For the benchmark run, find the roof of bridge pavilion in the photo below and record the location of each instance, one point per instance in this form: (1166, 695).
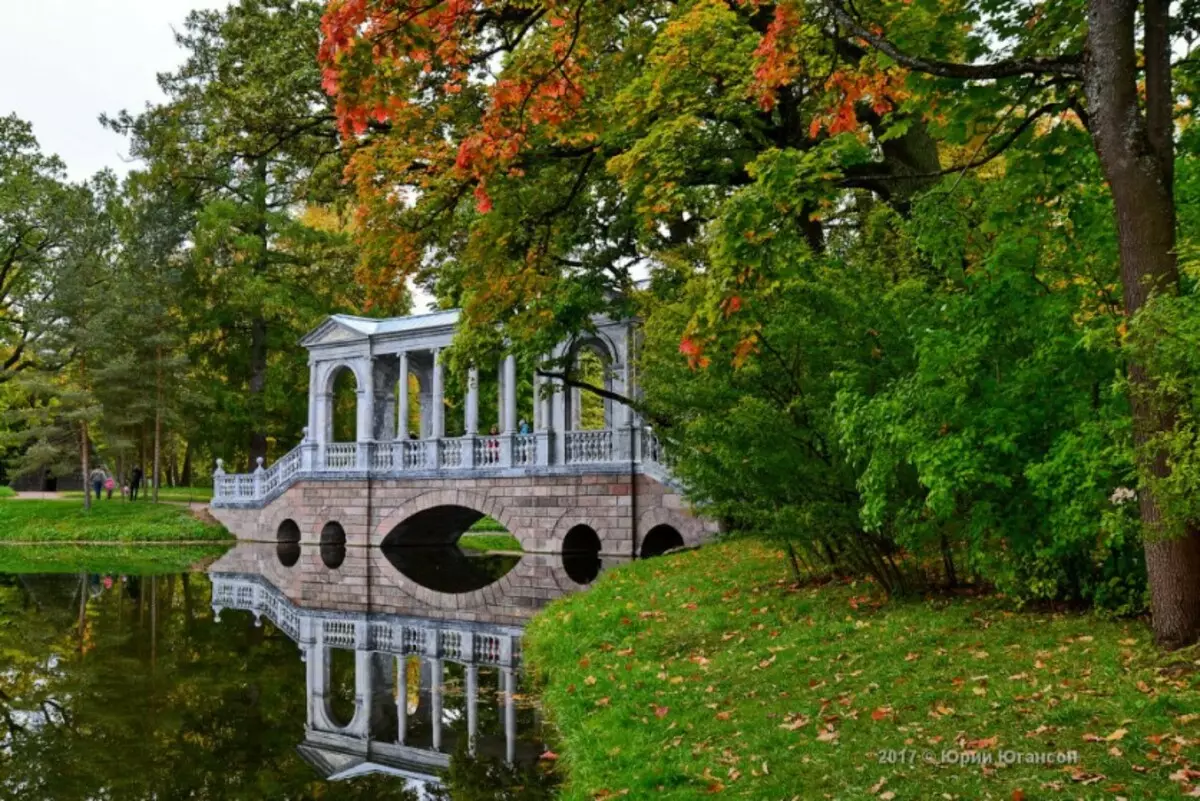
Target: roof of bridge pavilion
(339, 328)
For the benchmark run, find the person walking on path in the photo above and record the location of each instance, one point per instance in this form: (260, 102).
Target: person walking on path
(109, 484)
(96, 477)
(135, 481)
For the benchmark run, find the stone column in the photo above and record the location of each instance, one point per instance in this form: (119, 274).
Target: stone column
(510, 394)
(435, 710)
(542, 422)
(472, 672)
(314, 394)
(366, 414)
(508, 410)
(402, 401)
(500, 397)
(472, 412)
(471, 416)
(401, 698)
(439, 406)
(510, 716)
(557, 406)
(364, 691)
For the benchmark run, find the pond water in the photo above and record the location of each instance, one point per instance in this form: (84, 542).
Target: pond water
(269, 674)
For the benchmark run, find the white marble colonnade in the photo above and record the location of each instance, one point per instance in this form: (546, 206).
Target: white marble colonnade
(383, 354)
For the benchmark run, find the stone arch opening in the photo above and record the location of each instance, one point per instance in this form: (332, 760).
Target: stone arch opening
(661, 539)
(342, 405)
(581, 554)
(342, 689)
(288, 532)
(594, 361)
(288, 553)
(333, 545)
(437, 525)
(422, 547)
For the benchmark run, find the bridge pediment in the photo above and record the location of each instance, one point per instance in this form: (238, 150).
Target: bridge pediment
(332, 332)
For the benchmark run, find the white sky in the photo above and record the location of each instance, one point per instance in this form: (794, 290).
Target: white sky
(63, 62)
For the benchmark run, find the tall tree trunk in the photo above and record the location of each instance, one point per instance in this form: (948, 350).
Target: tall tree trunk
(185, 479)
(158, 396)
(258, 327)
(83, 458)
(1136, 151)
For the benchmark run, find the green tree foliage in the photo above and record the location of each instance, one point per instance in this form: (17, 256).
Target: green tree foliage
(248, 135)
(887, 301)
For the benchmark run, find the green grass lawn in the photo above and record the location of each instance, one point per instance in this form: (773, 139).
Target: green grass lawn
(489, 525)
(189, 494)
(489, 542)
(706, 673)
(108, 521)
(140, 560)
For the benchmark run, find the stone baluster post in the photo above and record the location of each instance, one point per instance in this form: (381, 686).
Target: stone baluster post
(218, 484)
(258, 477)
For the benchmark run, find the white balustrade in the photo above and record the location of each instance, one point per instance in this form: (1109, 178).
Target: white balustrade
(383, 457)
(589, 447)
(415, 454)
(341, 456)
(450, 453)
(470, 644)
(524, 450)
(596, 447)
(487, 451)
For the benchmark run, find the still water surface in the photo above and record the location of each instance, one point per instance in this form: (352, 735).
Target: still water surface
(267, 674)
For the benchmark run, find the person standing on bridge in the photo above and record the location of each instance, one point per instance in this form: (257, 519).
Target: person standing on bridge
(523, 427)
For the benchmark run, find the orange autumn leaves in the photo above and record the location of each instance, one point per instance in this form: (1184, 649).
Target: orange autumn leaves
(380, 56)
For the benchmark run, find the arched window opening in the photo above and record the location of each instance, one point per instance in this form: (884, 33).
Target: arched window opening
(341, 691)
(593, 412)
(288, 553)
(333, 545)
(288, 532)
(343, 418)
(581, 554)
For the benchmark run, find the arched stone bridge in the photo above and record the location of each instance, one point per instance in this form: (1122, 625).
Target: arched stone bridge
(404, 480)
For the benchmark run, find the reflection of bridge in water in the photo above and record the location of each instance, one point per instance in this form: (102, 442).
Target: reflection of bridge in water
(432, 671)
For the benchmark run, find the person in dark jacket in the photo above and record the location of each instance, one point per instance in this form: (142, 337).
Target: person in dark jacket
(135, 481)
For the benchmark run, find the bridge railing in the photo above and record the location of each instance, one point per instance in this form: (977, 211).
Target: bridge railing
(394, 634)
(577, 450)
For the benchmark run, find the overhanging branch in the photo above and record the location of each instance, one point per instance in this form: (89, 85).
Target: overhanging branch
(1071, 64)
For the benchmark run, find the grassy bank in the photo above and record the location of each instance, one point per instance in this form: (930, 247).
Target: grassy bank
(108, 521)
(183, 494)
(704, 672)
(489, 542)
(139, 560)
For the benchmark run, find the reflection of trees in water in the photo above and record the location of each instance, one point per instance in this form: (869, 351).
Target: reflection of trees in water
(486, 778)
(341, 685)
(157, 700)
